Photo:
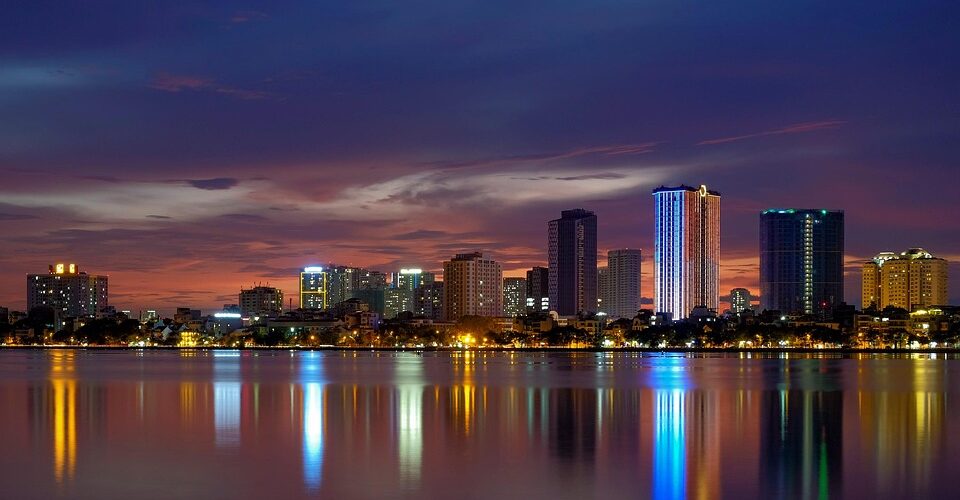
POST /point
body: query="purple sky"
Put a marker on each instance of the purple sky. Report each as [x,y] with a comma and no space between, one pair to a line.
[187,151]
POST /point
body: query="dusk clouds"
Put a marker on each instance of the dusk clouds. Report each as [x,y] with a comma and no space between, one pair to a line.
[189,151]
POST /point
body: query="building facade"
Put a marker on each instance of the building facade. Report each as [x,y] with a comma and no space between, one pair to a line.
[68,291]
[686,253]
[313,288]
[801,260]
[262,301]
[472,286]
[620,287]
[912,280]
[514,296]
[411,279]
[739,300]
[572,251]
[428,300]
[538,289]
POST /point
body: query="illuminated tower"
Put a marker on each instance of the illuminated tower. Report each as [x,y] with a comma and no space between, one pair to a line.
[739,300]
[68,291]
[313,288]
[472,286]
[572,242]
[514,296]
[801,260]
[912,280]
[686,249]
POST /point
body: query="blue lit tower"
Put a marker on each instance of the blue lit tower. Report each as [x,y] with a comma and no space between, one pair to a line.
[572,245]
[686,249]
[801,260]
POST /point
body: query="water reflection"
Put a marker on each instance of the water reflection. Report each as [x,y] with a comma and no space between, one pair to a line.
[409,376]
[226,397]
[63,387]
[373,425]
[313,403]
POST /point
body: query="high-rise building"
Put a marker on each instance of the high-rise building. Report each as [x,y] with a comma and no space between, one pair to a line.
[801,260]
[313,288]
[396,301]
[514,296]
[428,300]
[913,280]
[373,280]
[262,301]
[620,287]
[538,289]
[472,286]
[411,279]
[341,282]
[686,249]
[68,291]
[739,300]
[572,249]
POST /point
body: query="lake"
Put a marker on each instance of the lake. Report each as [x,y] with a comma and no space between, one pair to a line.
[475,424]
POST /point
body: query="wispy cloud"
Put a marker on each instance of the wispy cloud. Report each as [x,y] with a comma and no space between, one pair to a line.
[797,128]
[615,150]
[168,82]
[215,184]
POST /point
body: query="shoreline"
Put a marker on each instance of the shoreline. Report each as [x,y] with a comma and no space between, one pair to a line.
[646,350]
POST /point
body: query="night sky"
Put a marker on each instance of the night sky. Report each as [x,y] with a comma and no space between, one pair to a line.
[189,150]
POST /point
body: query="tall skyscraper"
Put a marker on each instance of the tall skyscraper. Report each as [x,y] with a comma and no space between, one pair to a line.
[472,286]
[428,300]
[411,279]
[68,291]
[739,300]
[620,288]
[686,249]
[263,301]
[913,280]
[538,289]
[514,296]
[313,288]
[801,260]
[572,243]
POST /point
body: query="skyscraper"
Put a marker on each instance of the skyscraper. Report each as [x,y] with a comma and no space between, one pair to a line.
[538,289]
[411,279]
[739,300]
[472,286]
[686,249]
[313,288]
[68,291]
[514,296]
[801,260]
[620,290]
[428,300]
[572,243]
[263,301]
[913,280]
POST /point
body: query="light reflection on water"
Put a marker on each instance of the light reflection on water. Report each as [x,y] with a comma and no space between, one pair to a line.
[241,424]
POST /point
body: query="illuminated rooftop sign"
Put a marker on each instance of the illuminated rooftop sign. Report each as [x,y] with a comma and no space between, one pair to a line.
[313,269]
[411,271]
[63,269]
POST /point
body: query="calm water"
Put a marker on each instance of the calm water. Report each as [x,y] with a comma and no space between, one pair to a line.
[123,424]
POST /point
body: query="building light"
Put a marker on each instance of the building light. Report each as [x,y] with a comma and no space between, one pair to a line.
[313,269]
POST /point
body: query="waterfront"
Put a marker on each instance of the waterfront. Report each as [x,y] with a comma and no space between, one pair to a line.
[475,424]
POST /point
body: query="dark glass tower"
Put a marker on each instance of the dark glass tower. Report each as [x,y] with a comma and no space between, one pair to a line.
[538,289]
[572,241]
[801,260]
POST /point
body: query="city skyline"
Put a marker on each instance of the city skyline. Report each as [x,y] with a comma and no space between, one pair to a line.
[188,152]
